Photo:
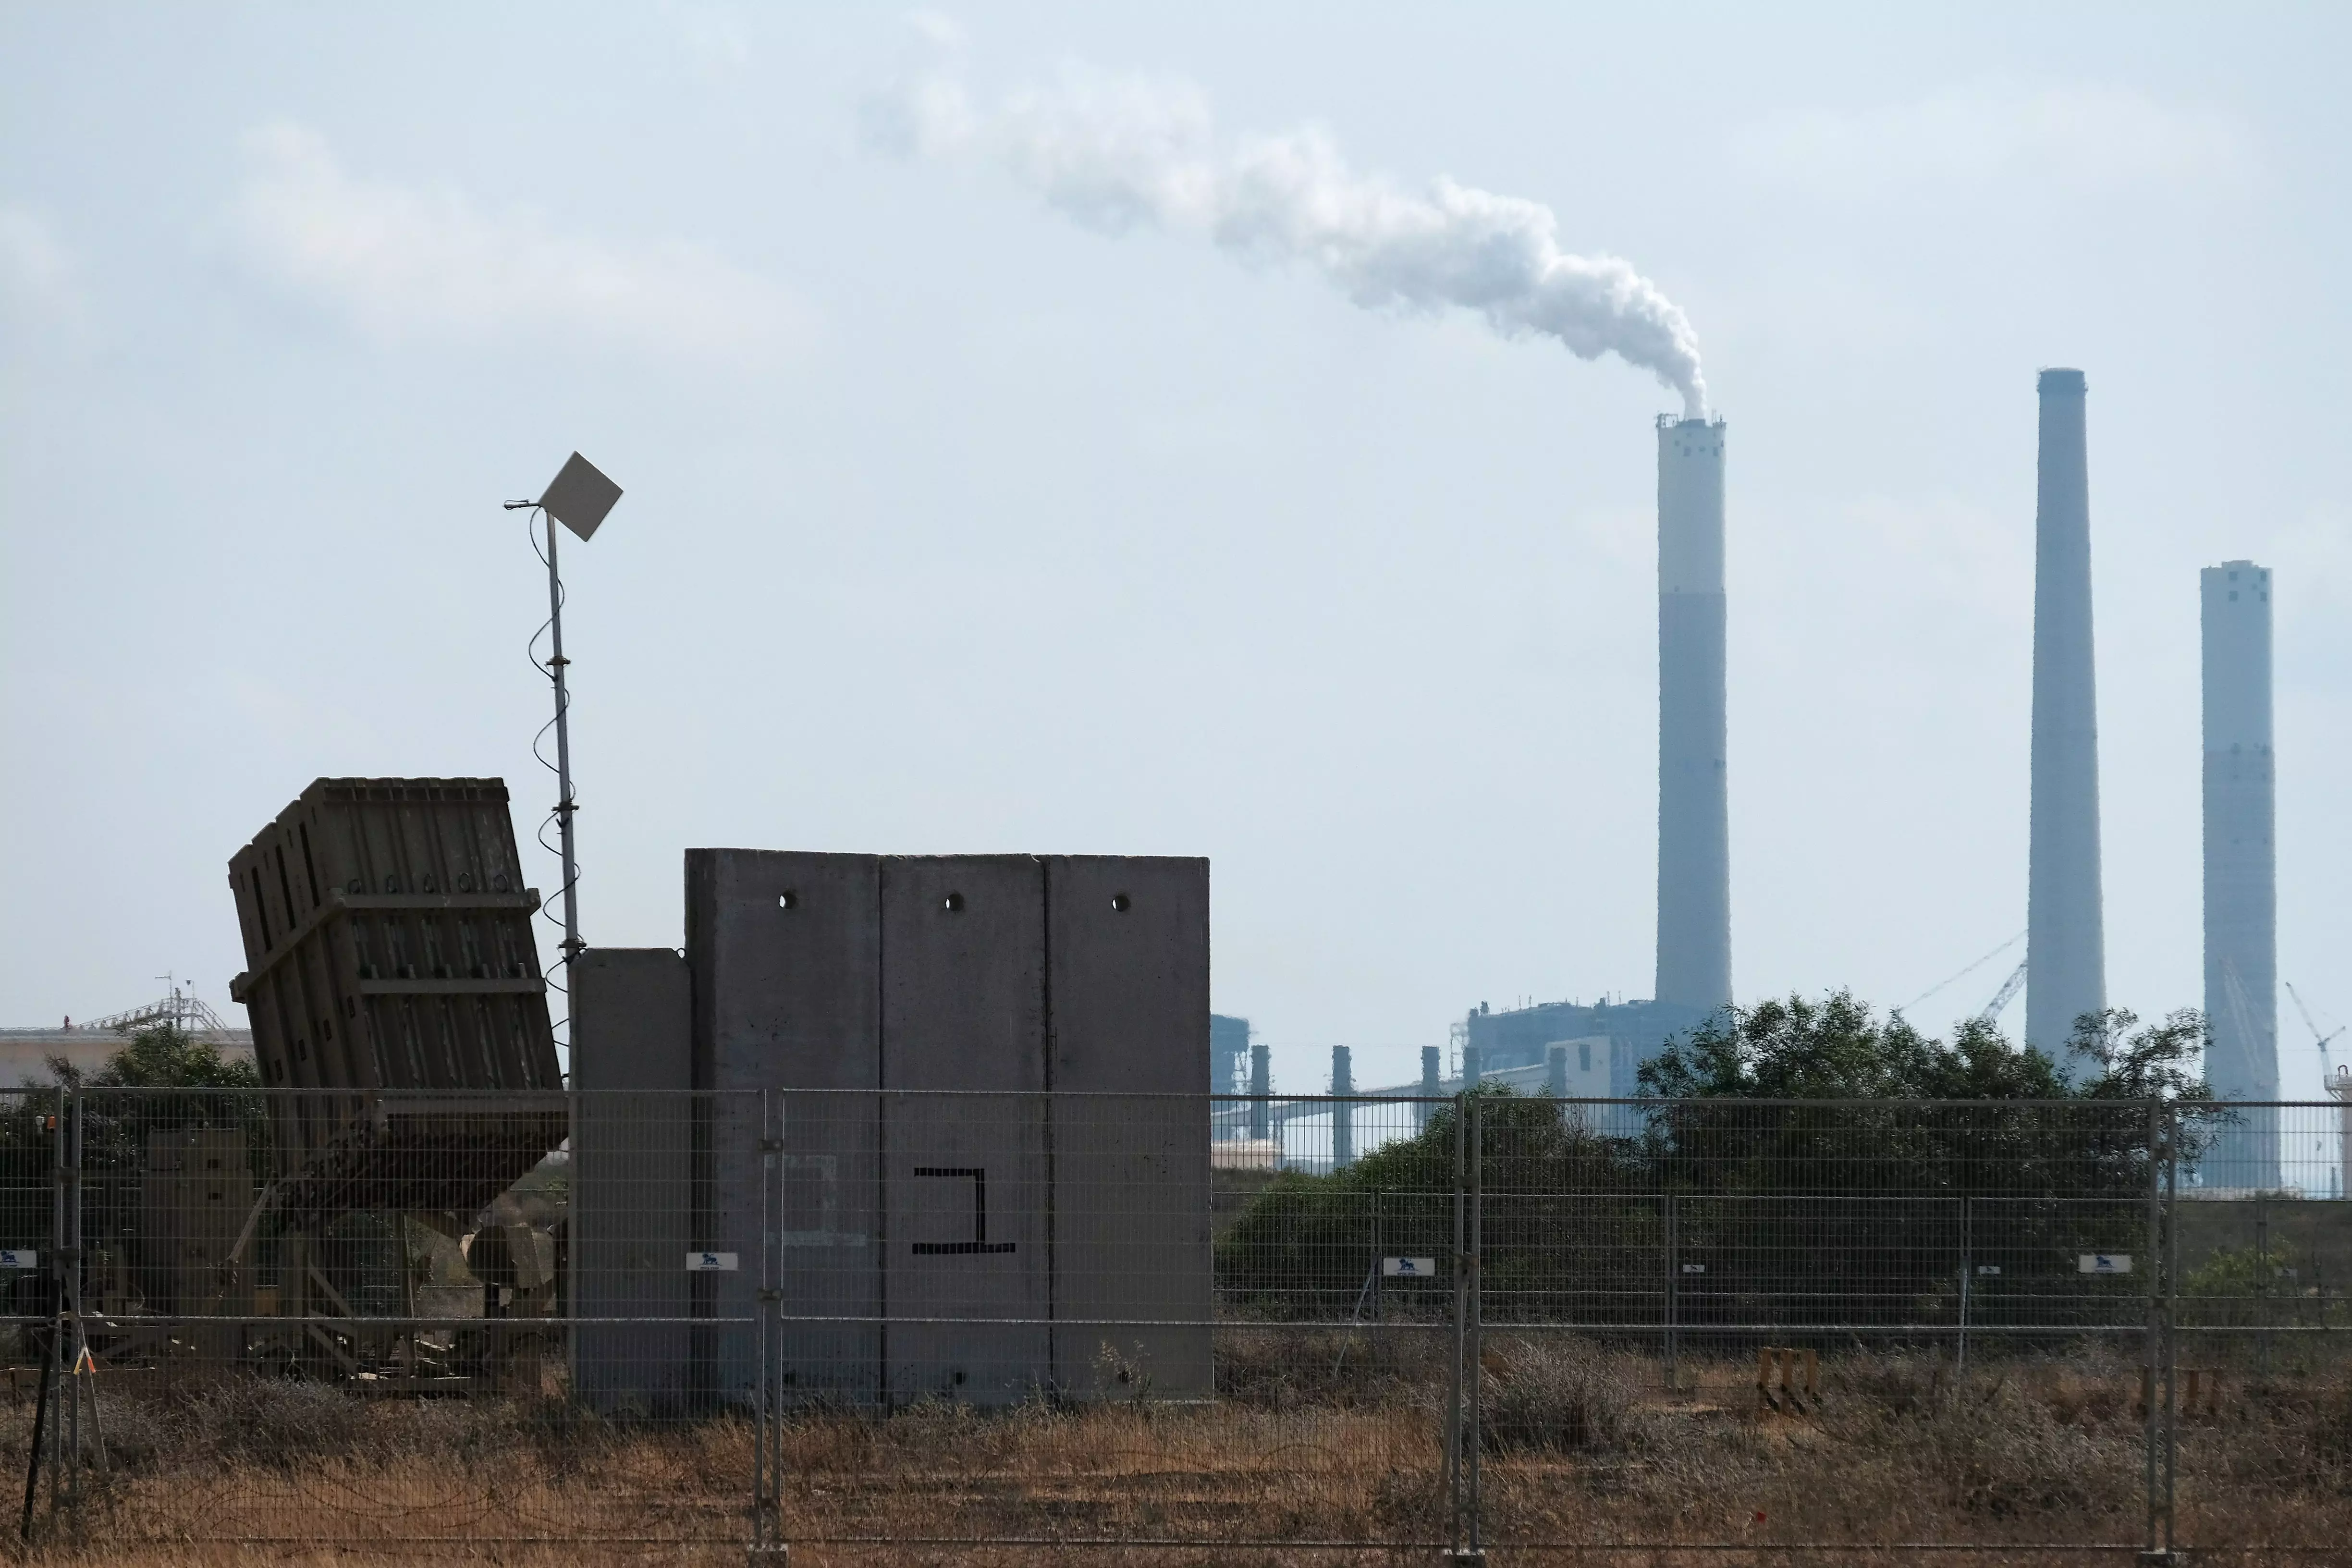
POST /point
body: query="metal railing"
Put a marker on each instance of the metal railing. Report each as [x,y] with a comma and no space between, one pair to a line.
[855,1320]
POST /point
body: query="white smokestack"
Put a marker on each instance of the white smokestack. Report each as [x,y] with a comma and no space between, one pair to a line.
[1114,153]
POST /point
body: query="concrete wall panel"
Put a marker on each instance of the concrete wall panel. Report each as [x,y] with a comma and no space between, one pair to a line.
[786,953]
[632,1211]
[1129,989]
[963,1008]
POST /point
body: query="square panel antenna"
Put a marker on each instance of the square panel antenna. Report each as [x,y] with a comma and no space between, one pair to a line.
[580,496]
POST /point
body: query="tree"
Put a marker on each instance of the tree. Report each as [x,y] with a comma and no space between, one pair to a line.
[162,1080]
[162,1056]
[1813,1163]
[1837,1049]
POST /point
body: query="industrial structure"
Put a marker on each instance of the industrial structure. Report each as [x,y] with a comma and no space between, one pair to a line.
[1609,1041]
[1229,1055]
[2240,870]
[28,1054]
[1693,932]
[1694,953]
[2065,942]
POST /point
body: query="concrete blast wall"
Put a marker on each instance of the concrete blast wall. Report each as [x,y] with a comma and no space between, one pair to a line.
[2065,944]
[633,1175]
[786,955]
[2241,868]
[992,978]
[1694,808]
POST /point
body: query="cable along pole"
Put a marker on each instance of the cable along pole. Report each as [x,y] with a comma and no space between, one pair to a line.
[579,498]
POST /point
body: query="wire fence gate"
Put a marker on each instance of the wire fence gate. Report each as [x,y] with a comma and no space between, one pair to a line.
[861,1324]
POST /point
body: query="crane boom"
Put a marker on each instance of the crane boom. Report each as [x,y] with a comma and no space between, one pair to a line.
[2001,998]
[2327,1066]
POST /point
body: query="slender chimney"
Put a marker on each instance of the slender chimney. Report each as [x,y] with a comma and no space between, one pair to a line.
[1694,811]
[2065,942]
[1343,1111]
[2240,870]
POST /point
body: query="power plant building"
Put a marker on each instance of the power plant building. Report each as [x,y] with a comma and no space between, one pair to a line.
[2240,870]
[2065,943]
[1520,1041]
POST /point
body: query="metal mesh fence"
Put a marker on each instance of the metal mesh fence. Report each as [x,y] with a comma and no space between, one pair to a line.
[857,1320]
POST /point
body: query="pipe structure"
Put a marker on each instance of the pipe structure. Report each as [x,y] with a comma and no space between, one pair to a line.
[1693,953]
[2066,942]
[2240,869]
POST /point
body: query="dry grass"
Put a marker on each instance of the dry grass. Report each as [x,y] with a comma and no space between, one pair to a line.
[1582,1447]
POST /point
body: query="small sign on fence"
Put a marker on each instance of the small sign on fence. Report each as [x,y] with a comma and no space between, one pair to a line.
[710,1262]
[13,1257]
[2105,1263]
[1693,1267]
[1409,1267]
[1989,1270]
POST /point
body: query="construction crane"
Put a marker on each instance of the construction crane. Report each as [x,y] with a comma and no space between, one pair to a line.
[2003,997]
[2327,1069]
[1963,975]
[2338,1088]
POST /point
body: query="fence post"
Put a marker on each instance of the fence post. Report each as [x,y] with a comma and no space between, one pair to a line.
[767,1441]
[1462,1413]
[2153,1350]
[2171,1309]
[1968,1283]
[42,1426]
[1460,1332]
[1478,1322]
[1673,1294]
[2264,1279]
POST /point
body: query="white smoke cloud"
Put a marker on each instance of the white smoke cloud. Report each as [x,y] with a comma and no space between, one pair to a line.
[403,262]
[1120,152]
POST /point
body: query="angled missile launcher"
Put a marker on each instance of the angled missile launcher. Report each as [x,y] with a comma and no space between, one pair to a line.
[399,1012]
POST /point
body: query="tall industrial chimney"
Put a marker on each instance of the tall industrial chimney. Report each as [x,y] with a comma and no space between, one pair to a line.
[2065,943]
[2240,870]
[1694,810]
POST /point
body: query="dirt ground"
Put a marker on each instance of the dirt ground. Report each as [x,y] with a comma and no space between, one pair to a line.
[1322,1458]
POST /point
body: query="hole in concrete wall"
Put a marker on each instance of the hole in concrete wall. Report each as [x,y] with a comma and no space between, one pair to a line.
[788,900]
[1118,902]
[953,904]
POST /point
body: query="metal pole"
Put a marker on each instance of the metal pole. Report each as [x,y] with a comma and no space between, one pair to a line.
[2154,1347]
[72,1340]
[44,1429]
[1454,1406]
[66,1175]
[565,807]
[1674,1288]
[768,1439]
[2263,1284]
[2171,1308]
[1477,1552]
[1968,1278]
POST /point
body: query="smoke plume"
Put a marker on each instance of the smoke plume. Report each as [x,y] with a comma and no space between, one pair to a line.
[1116,154]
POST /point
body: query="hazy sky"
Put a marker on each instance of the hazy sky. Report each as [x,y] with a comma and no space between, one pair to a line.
[963,517]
